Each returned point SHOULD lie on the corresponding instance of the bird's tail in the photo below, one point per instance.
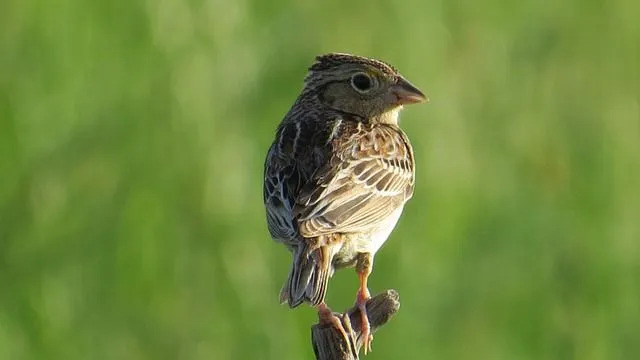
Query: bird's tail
(309, 274)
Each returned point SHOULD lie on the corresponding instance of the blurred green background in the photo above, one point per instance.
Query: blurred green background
(132, 139)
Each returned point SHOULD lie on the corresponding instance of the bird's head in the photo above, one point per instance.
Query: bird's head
(366, 87)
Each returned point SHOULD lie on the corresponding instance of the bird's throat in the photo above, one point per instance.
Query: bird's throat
(389, 117)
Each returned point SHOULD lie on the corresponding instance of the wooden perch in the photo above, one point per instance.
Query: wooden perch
(330, 344)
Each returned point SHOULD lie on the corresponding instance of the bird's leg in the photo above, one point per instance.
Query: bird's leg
(326, 316)
(363, 267)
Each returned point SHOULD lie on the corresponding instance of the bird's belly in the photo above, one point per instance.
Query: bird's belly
(369, 242)
(381, 234)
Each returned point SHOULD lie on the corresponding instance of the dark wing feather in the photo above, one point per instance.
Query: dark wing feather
(370, 174)
(300, 148)
(281, 184)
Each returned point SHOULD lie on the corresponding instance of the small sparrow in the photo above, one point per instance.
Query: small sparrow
(338, 175)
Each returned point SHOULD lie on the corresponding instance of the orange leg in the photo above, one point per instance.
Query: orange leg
(364, 269)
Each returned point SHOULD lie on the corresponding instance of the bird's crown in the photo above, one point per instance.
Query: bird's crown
(332, 60)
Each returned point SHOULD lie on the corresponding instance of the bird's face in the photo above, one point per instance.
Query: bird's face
(367, 89)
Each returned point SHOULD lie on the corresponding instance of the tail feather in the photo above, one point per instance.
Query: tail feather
(309, 275)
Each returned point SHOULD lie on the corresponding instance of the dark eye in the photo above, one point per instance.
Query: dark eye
(361, 82)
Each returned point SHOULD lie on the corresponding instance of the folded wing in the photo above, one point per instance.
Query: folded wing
(369, 176)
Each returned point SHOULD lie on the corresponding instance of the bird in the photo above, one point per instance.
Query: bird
(337, 176)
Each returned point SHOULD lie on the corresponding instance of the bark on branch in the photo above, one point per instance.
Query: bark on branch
(329, 344)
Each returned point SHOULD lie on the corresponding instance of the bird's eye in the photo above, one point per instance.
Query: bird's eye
(361, 82)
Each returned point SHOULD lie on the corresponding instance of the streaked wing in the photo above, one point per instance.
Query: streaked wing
(299, 149)
(370, 175)
(281, 184)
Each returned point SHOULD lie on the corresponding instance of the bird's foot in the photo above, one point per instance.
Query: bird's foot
(326, 316)
(365, 326)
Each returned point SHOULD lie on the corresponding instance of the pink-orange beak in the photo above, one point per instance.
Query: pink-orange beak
(406, 93)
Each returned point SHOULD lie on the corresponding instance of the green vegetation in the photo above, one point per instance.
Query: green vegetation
(132, 139)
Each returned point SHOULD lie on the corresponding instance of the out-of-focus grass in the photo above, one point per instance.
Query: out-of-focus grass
(132, 137)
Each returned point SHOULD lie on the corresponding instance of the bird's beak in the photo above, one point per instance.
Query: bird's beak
(406, 93)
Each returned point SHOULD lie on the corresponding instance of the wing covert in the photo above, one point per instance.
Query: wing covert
(369, 176)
